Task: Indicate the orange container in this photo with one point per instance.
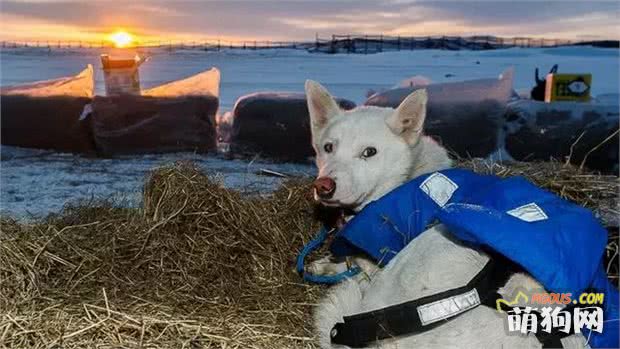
(121, 75)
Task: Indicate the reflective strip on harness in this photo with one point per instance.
(448, 307)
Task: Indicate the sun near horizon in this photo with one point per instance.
(121, 39)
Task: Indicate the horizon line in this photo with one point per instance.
(227, 42)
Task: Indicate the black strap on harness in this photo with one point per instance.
(359, 330)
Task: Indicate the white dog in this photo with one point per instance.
(361, 155)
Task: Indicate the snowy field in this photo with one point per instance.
(35, 183)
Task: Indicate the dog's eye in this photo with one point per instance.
(369, 152)
(328, 147)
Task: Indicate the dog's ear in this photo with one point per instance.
(321, 106)
(407, 120)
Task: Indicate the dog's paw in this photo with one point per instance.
(369, 267)
(326, 266)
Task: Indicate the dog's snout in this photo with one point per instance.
(324, 187)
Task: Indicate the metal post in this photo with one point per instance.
(316, 41)
(348, 43)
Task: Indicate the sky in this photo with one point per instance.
(175, 20)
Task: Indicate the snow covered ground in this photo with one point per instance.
(36, 183)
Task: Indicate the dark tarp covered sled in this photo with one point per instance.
(583, 132)
(465, 117)
(46, 114)
(46, 123)
(139, 124)
(274, 125)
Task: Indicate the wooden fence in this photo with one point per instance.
(379, 43)
(364, 44)
(198, 45)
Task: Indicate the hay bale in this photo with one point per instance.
(198, 266)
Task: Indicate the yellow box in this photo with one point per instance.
(568, 87)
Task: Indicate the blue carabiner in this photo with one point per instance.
(321, 279)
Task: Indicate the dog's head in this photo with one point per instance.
(363, 153)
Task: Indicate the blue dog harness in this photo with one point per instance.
(559, 243)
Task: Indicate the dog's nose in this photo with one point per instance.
(325, 187)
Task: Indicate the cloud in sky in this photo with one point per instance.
(300, 20)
